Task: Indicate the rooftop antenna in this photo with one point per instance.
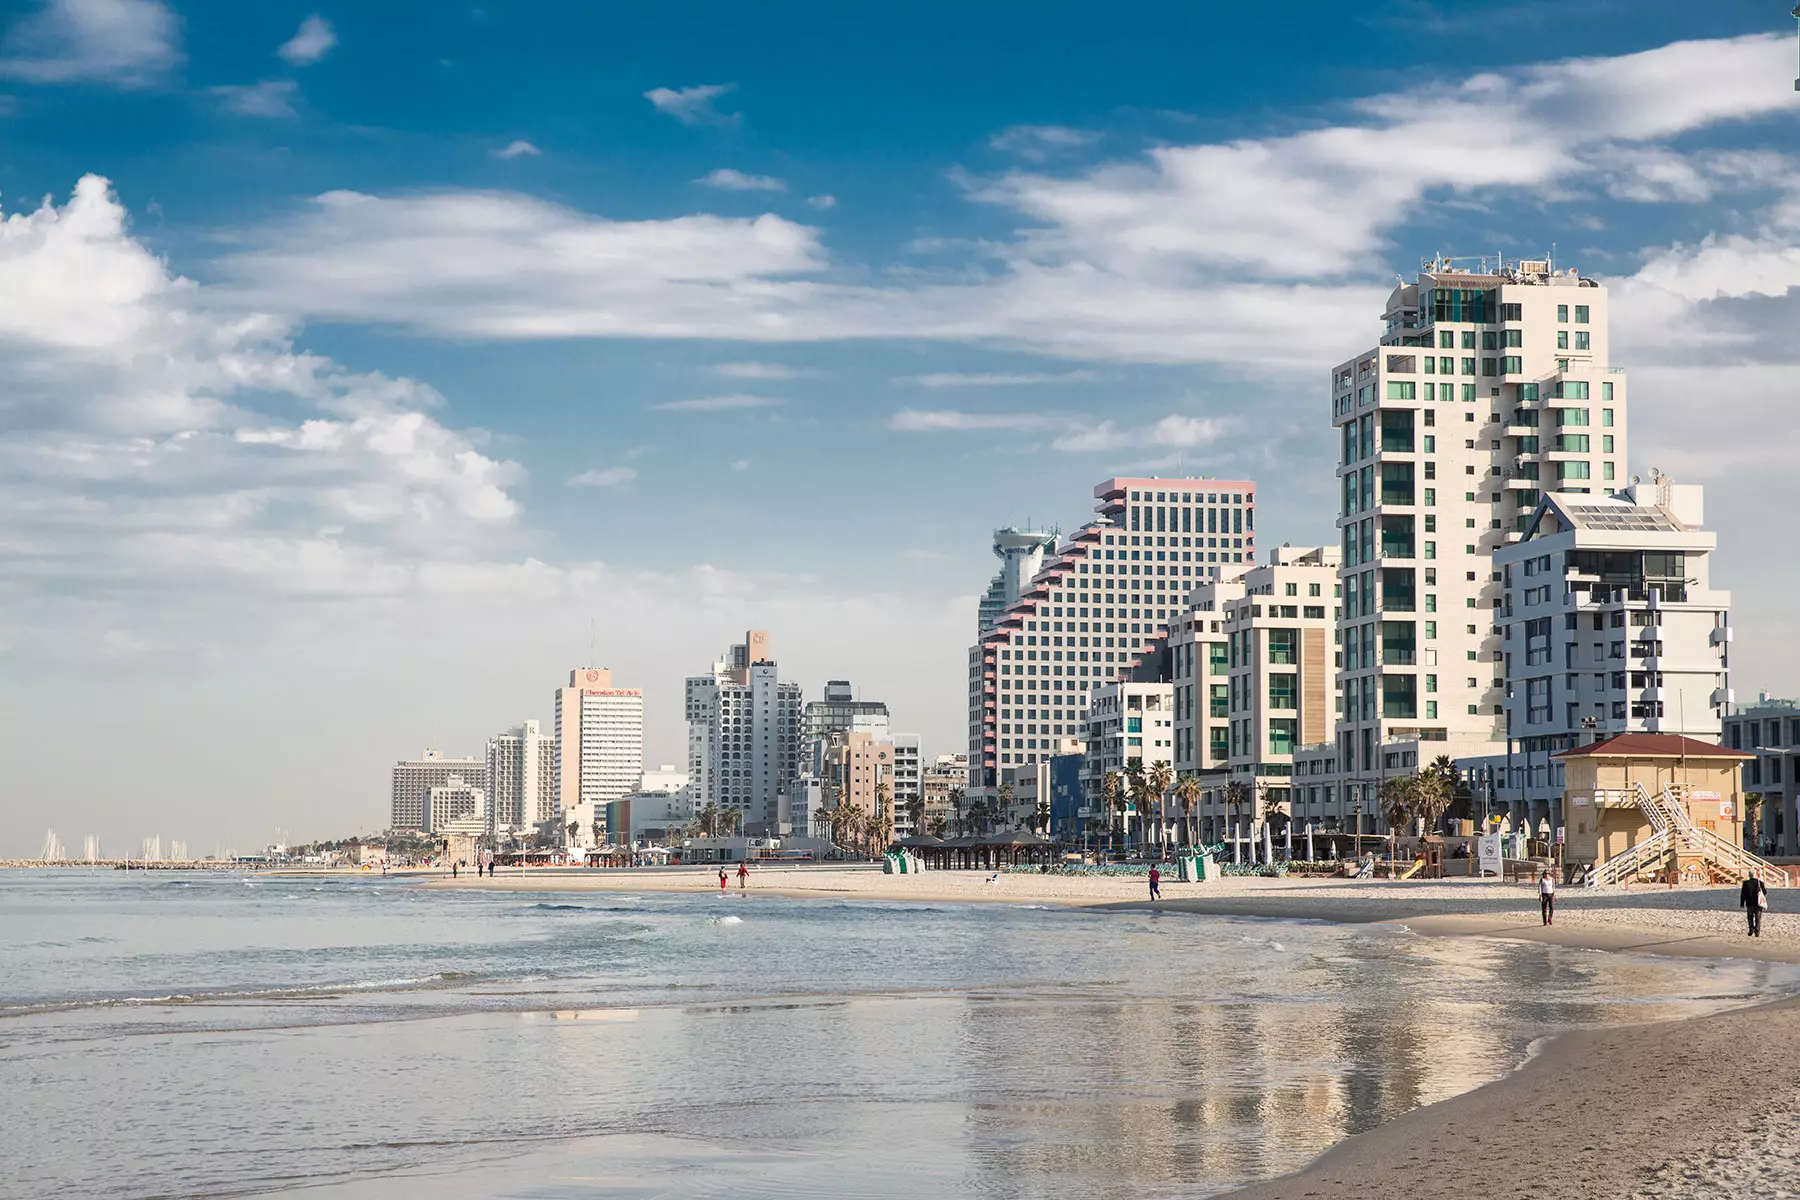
(593, 641)
(1796, 15)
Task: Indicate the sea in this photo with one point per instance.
(216, 1034)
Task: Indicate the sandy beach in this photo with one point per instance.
(1708, 1108)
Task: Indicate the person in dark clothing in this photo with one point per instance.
(1547, 897)
(1753, 897)
(1155, 884)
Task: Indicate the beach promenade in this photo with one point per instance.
(1708, 1108)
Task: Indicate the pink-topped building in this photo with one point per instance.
(1098, 603)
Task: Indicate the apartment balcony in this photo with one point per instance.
(1521, 483)
(1520, 431)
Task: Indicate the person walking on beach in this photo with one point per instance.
(743, 876)
(1155, 884)
(1753, 897)
(1547, 896)
(453, 870)
(721, 881)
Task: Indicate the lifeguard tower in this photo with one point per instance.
(1661, 807)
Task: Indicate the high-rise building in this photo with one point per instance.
(1255, 676)
(1489, 388)
(413, 779)
(744, 736)
(840, 711)
(599, 740)
(1021, 552)
(1609, 624)
(1095, 608)
(907, 782)
(521, 777)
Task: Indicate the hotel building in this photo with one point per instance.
(744, 736)
(1489, 389)
(413, 779)
(521, 777)
(1096, 607)
(599, 740)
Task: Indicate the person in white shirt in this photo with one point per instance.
(1547, 897)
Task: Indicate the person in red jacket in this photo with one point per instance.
(743, 875)
(1155, 884)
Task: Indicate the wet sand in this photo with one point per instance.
(1662, 1111)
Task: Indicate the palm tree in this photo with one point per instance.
(1112, 788)
(915, 812)
(1136, 796)
(1161, 777)
(884, 805)
(1433, 794)
(936, 826)
(1041, 818)
(956, 811)
(574, 830)
(1753, 806)
(599, 828)
(1187, 795)
(1397, 794)
(1236, 794)
(1003, 806)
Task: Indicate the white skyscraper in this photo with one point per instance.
(521, 777)
(744, 736)
(1490, 387)
(599, 739)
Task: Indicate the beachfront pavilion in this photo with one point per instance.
(990, 852)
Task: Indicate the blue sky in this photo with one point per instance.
(387, 350)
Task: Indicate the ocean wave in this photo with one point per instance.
(202, 996)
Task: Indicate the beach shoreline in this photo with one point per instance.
(1614, 1113)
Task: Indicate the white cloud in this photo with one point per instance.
(270, 98)
(741, 464)
(944, 379)
(607, 477)
(310, 43)
(694, 105)
(1188, 254)
(732, 403)
(134, 445)
(729, 180)
(756, 370)
(1036, 143)
(517, 149)
(127, 43)
(913, 420)
(823, 202)
(1073, 434)
(1175, 431)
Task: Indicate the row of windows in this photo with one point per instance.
(1192, 520)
